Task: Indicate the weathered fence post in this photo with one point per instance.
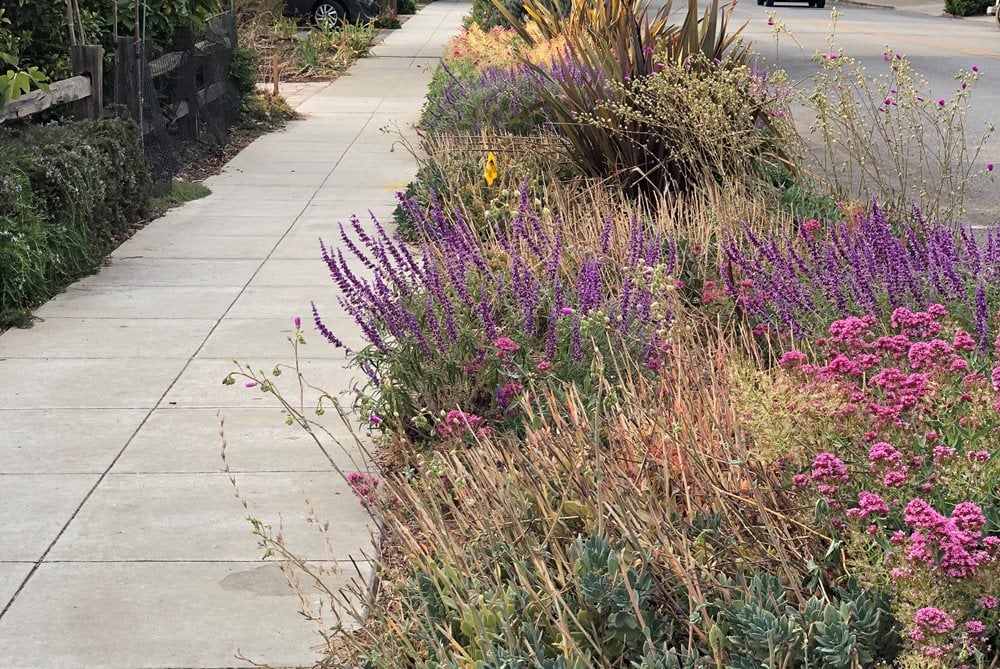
(88, 60)
(126, 81)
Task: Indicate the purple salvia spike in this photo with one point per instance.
(982, 319)
(605, 234)
(323, 330)
(484, 312)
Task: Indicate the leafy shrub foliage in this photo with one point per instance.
(68, 193)
(650, 133)
(486, 14)
(406, 7)
(498, 100)
(966, 7)
(43, 38)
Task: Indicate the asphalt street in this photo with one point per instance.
(936, 46)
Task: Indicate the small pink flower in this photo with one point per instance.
(251, 384)
(375, 419)
(894, 479)
(975, 68)
(770, 21)
(870, 503)
(827, 466)
(566, 311)
(933, 620)
(941, 102)
(792, 358)
(506, 345)
(989, 167)
(544, 366)
(975, 627)
(988, 602)
(298, 322)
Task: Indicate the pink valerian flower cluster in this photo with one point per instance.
(886, 376)
(458, 422)
(505, 345)
(509, 394)
(949, 544)
(940, 636)
(829, 468)
(367, 487)
(869, 504)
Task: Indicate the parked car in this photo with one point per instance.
(812, 3)
(333, 12)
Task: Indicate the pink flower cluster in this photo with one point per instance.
(828, 467)
(950, 544)
(366, 486)
(891, 377)
(940, 636)
(505, 345)
(458, 422)
(869, 504)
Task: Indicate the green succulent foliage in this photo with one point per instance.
(671, 658)
(761, 629)
(607, 591)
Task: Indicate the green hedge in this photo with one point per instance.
(486, 15)
(966, 7)
(68, 194)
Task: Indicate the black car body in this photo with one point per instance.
(812, 3)
(332, 12)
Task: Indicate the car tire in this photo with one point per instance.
(769, 3)
(760, 3)
(327, 13)
(820, 4)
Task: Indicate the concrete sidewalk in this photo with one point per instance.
(123, 545)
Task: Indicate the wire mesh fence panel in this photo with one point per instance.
(184, 100)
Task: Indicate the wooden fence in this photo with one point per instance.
(85, 89)
(198, 72)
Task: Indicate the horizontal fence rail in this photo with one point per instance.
(60, 92)
(84, 89)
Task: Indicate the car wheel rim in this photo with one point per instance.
(327, 15)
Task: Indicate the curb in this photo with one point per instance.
(904, 10)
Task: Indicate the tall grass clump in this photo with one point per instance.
(647, 536)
